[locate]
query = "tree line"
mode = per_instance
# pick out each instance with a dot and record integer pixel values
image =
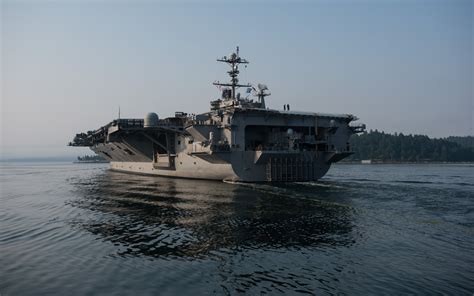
(90, 158)
(380, 146)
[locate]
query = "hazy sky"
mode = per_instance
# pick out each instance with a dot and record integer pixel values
(66, 66)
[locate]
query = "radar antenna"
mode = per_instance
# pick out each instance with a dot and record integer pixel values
(261, 94)
(234, 60)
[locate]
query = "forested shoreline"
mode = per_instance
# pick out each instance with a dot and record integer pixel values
(384, 147)
(91, 158)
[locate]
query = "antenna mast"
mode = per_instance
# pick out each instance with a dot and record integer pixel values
(234, 60)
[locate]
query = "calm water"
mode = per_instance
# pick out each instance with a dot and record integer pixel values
(376, 229)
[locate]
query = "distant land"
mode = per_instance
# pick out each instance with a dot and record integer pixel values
(382, 147)
(90, 159)
(376, 146)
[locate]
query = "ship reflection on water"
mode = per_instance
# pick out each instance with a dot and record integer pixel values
(161, 217)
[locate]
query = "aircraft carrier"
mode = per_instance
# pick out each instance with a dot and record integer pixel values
(239, 139)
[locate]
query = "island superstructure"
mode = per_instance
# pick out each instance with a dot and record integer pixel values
(239, 139)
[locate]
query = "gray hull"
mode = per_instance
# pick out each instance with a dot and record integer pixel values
(283, 169)
(134, 153)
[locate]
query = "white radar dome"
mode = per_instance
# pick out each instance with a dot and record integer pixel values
(151, 120)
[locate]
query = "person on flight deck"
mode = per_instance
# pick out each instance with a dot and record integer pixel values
(288, 107)
(284, 107)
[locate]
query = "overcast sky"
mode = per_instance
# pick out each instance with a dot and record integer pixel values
(66, 66)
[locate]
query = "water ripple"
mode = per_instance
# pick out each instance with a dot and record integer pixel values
(85, 229)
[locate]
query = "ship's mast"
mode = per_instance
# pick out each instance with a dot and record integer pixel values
(234, 60)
